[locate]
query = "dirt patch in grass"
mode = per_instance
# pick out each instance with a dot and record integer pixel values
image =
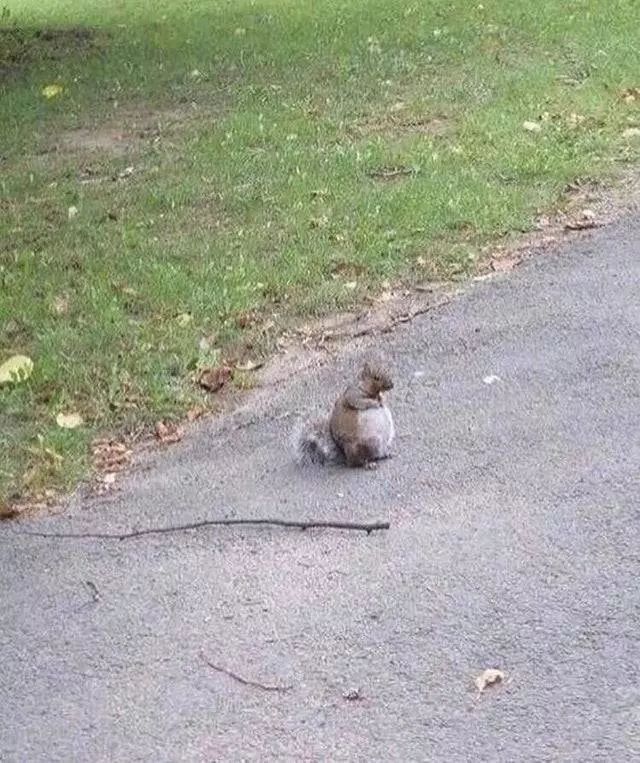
(129, 129)
(399, 127)
(22, 47)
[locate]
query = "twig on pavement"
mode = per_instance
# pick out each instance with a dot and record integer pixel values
(240, 679)
(367, 527)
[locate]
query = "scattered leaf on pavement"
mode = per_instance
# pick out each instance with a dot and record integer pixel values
(195, 412)
(16, 369)
(586, 219)
(500, 264)
(488, 678)
(168, 432)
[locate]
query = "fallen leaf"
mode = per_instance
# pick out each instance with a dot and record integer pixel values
(532, 126)
(501, 264)
(353, 695)
(245, 319)
(249, 365)
(586, 220)
(184, 319)
(16, 369)
(8, 512)
(126, 172)
(631, 94)
(196, 412)
(168, 432)
(72, 212)
(491, 379)
(214, 378)
(631, 132)
(61, 304)
(69, 420)
(488, 678)
(51, 91)
(390, 173)
(110, 455)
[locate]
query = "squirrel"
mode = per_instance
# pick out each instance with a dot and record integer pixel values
(359, 430)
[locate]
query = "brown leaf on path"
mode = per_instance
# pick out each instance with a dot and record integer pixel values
(587, 219)
(8, 512)
(489, 677)
(214, 378)
(168, 432)
(196, 412)
(501, 264)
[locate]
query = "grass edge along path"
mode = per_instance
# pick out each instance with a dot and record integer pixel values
(181, 186)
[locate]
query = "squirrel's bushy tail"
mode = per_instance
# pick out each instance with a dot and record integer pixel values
(313, 443)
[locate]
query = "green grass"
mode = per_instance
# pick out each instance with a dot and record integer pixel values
(246, 179)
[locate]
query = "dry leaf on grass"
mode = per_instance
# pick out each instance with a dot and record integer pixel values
(51, 91)
(631, 94)
(16, 369)
(214, 378)
(488, 678)
(168, 432)
(61, 304)
(110, 455)
(532, 126)
(69, 420)
(249, 365)
(631, 132)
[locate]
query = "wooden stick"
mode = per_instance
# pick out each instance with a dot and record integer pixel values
(367, 527)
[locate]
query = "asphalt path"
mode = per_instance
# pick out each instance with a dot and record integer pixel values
(514, 544)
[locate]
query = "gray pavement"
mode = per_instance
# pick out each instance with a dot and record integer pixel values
(514, 543)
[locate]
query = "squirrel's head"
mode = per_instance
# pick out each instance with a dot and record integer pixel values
(375, 379)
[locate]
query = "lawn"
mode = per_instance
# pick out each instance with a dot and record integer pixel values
(180, 181)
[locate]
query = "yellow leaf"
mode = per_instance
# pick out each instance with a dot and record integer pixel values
(69, 420)
(51, 91)
(16, 369)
